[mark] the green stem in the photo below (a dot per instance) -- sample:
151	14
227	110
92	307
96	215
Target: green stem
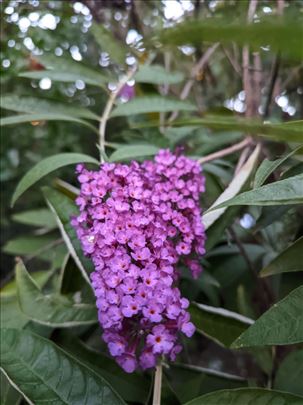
107	111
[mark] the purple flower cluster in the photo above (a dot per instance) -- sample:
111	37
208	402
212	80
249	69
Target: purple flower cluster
137	222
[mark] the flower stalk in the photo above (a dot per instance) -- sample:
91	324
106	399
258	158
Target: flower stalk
157	384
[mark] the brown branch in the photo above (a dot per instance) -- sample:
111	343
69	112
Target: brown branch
226	151
194	72
247	80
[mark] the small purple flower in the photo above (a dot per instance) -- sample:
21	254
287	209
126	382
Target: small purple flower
153	312
130	306
128	362
148	359
160	340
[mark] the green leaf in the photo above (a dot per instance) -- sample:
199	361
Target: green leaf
71	279
11	315
47	166
188	381
67	77
217	230
282	324
234	187
268	166
291	131
38	217
32	105
219	324
283	192
22	118
8	394
40	278
64	208
64	69
282	36
41	372
243	396
27	245
50	310
156	74
133	151
132	387
105	39
291	259
269	215
289	376
149	104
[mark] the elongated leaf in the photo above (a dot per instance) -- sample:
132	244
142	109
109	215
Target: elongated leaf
283	192
291	259
33	118
38	217
76	70
241	396
282	324
41	372
51	310
235	186
132	387
27	245
105	39
145	104
289	376
93	78
47	166
156	74
268	166
32	105
291	131
284	36
64	208
133	151
219	324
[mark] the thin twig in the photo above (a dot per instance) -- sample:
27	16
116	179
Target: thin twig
194	72
242	159
256	82
274	76
234	63
108	108
157	385
226	151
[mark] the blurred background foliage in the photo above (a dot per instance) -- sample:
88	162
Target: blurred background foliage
101	40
